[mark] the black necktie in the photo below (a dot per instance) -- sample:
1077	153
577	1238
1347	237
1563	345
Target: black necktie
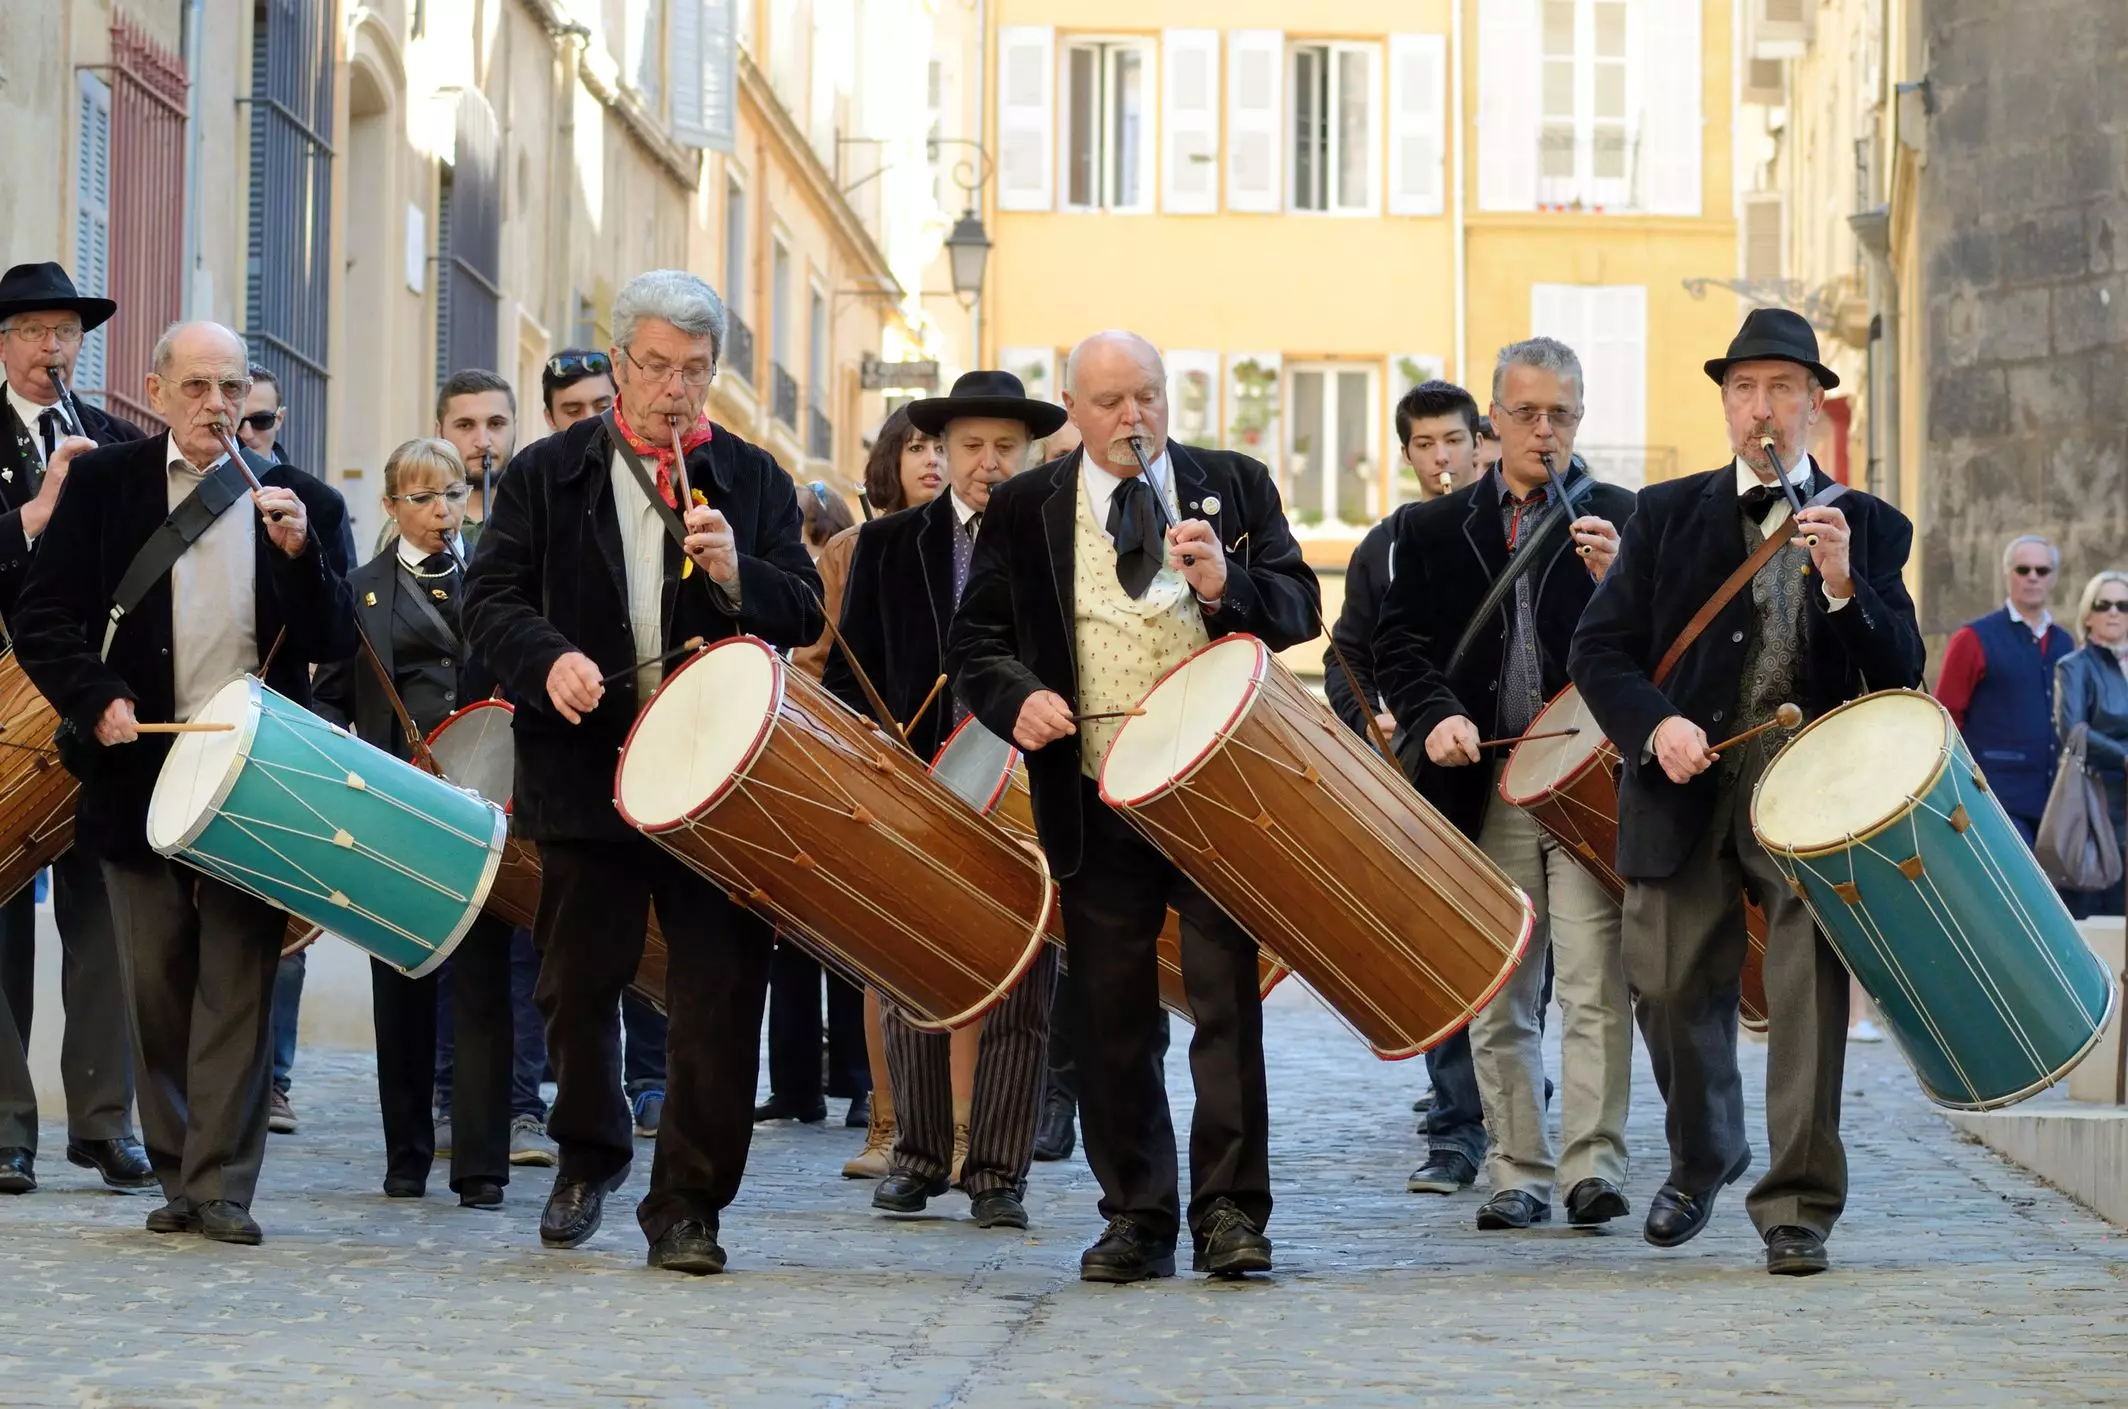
1760	498
437	565
1134	522
54	427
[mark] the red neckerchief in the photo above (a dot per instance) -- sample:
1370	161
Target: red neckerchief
663	451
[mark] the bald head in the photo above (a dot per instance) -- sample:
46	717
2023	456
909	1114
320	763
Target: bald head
195	337
1115	389
202	373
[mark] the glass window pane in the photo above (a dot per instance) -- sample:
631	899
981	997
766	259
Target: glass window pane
1355	474
1610	29
1609	141
1355	151
1558	27
1611	91
1304	475
734	289
1556	150
1083	81
1126	126
1308	134
1559	88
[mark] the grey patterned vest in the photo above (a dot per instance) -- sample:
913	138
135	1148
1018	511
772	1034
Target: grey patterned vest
1773	661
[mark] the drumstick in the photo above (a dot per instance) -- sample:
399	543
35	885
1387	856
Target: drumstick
691	644
1131	713
1795	501
910	727
1527	738
205	728
1788	716
1559	493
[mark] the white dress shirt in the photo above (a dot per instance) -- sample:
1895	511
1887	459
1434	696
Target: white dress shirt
214	626
643	568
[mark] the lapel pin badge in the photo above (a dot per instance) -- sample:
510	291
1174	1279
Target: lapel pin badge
369	599
1211	504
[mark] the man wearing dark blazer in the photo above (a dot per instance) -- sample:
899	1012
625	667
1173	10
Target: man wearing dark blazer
575	584
906	578
1191	551
1818	625
43	320
200	954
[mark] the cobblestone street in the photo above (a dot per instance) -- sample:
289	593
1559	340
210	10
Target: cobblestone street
1957	1280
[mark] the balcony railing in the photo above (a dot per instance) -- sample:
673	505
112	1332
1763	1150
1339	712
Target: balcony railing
785	389
819	435
738	347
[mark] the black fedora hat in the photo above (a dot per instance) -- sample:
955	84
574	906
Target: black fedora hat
33	288
1775	335
998	394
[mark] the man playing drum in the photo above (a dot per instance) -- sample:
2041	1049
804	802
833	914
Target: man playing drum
579	599
1451	696
1091	579
906	578
1822	621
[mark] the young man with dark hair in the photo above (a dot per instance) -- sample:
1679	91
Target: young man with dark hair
575	385
1437	426
477	412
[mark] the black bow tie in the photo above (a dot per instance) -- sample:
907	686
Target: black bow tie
1134	522
1760	498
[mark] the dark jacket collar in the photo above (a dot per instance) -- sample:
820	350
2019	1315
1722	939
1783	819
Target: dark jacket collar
706	462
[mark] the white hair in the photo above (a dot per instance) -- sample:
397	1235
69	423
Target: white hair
2090	599
672	296
1539	354
1111	335
2009	557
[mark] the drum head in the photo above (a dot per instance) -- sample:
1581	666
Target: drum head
1534	769
1851	772
1187	715
698	734
474	749
975	765
201	768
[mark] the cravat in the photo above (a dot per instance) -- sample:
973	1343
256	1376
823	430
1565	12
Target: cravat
54	428
1134	522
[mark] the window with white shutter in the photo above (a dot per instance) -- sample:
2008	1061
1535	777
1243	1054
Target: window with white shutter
1672	127
1587	103
1418	106
1106	112
704	80
1763	217
1334	97
1189	177
1255	120
1508	78
1607	326
1333	458
1192	396
1025	117
92	222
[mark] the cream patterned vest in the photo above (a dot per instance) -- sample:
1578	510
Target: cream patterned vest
1123	645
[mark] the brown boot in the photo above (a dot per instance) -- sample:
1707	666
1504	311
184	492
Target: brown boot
961	1114
877	1157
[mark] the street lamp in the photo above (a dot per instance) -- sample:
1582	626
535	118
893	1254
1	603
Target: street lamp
969	248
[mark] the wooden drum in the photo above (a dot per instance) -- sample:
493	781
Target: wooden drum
759	779
36	794
1317	847
1570	786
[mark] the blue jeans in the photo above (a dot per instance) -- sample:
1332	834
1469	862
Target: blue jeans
287	1003
643	1057
1456	1121
530	1038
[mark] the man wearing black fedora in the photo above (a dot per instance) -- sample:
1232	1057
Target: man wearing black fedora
43	320
905	582
1819	625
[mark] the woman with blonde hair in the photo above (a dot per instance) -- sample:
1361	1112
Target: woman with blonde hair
2091	688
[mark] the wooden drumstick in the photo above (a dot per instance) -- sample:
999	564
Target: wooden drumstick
203	728
1131	713
910	727
1795	501
1527	738
1788	716
687	647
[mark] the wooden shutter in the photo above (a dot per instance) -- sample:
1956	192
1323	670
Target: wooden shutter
1671	129
1026	117
703	82
1418	101
1189	127
92	219
1509	65
1256	61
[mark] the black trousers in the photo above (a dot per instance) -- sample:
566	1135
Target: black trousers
1113	910
794	1029
594	899
95	1048
405	1012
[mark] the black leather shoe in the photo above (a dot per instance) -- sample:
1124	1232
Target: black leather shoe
777	1108
175	1216
1595	1201
122	1163
1511	1208
404	1186
1229	1244
1675	1217
1445	1172
1795	1252
859	1115
997	1208
903	1192
18	1171
227	1222
1057	1132
688	1246
480	1193
572	1214
1126	1252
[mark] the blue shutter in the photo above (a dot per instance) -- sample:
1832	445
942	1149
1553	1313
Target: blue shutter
92	223
704	82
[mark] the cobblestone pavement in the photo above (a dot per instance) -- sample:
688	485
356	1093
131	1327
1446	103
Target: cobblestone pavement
1958	1280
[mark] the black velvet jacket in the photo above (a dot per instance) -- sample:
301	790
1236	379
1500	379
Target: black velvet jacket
21	473
896	609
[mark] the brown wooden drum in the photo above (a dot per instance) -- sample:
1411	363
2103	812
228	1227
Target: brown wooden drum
758	778
1570	786
36	794
1317	847
987	773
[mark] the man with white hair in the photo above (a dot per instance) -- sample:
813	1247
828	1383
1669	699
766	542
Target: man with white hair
202	954
1092	577
589	567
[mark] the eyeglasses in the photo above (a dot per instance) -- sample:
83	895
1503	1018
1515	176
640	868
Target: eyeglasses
260	421
2033	570
572	365
2111	604
196	388
425	498
662	372
67	333
1559	416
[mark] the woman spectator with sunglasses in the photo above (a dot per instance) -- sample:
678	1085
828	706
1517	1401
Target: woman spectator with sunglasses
2091	688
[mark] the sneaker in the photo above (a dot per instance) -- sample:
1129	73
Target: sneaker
1445	1172
280	1116
649	1106
529	1143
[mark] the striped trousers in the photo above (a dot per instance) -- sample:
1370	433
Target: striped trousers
1008	1088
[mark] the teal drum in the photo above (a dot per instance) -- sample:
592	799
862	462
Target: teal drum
1884	825
307	817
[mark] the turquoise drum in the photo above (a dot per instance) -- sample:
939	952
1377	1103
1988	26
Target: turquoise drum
307	817
1885	827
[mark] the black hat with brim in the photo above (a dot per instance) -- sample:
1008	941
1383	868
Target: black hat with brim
1775	335
993	395
38	288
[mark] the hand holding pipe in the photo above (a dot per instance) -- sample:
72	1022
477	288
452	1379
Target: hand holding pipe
1795	500
1559	492
236	455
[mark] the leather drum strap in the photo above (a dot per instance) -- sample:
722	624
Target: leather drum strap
1726	593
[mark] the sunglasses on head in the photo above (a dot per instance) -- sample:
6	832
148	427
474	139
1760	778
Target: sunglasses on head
2033	570
570	366
820	493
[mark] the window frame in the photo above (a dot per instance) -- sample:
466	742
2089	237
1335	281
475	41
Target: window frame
1375	125
1321	518
1108	49
1584	186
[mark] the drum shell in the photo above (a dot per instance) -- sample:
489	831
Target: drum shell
894	880
1974	964
1412	933
36	793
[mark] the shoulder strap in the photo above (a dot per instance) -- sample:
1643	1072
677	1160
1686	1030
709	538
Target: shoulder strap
1726	593
187	522
674	529
1518	566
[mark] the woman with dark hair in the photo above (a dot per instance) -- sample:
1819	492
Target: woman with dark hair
906	467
